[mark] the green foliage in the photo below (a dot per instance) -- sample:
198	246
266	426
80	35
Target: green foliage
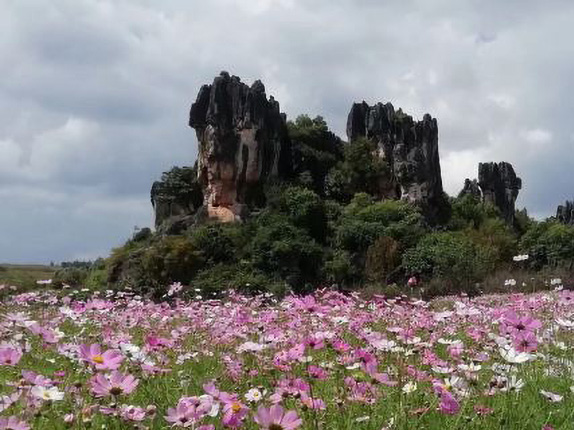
362	171
549	244
452	258
285	251
305	210
364	220
469	211
150	266
316	150
71	276
217	243
241	277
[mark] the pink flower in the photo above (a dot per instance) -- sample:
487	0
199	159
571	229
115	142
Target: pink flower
113	385
109	360
13	423
233	410
132	413
9	356
448	404
185	414
275	418
525	342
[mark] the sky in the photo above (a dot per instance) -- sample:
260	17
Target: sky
95	96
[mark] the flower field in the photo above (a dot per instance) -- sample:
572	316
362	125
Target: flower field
326	361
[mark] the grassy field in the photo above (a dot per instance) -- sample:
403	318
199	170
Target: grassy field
24	276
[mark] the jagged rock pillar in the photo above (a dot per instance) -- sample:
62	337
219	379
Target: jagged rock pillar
243	141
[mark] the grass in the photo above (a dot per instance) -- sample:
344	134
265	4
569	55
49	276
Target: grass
25	276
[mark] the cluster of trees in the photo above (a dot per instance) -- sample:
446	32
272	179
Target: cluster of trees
329	226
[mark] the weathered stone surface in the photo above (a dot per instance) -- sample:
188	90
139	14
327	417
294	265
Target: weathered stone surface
177	195
409	147
565	213
472	188
500	187
243	141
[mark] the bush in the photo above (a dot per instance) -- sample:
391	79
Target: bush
451	259
549	244
213	281
284	251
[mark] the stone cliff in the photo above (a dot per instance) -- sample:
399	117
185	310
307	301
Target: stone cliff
243	141
498	185
410	149
565	213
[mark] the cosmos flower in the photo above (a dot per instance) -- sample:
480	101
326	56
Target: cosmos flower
9	356
114	384
13	423
275	418
47	393
108	360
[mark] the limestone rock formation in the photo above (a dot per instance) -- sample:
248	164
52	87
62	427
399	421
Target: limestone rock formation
409	147
472	188
500	187
175	198
243	141
565	213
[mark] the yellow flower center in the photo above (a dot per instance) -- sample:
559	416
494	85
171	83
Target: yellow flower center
98	359
235	407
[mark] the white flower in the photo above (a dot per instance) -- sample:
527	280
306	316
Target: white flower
553	397
44	393
521	257
512	356
565	323
250	347
384	344
410	387
362	419
174	288
253	395
353	366
470	367
555	281
44	282
513	384
510	283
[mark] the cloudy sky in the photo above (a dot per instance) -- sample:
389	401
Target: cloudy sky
94	95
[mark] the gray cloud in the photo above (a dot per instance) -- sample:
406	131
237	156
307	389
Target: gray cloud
94	95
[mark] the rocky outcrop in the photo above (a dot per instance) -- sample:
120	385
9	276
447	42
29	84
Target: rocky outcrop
410	149
472	188
176	197
243	141
565	213
500	186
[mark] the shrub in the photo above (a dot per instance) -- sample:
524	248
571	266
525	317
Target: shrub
452	259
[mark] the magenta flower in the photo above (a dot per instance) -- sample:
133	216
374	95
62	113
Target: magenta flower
9	356
185	414
109	360
448	404
275	418
132	413
525	342
13	423
114	384
233	410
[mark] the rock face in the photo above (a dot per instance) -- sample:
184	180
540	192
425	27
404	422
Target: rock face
243	142
472	188
500	187
176	197
565	213
410	149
